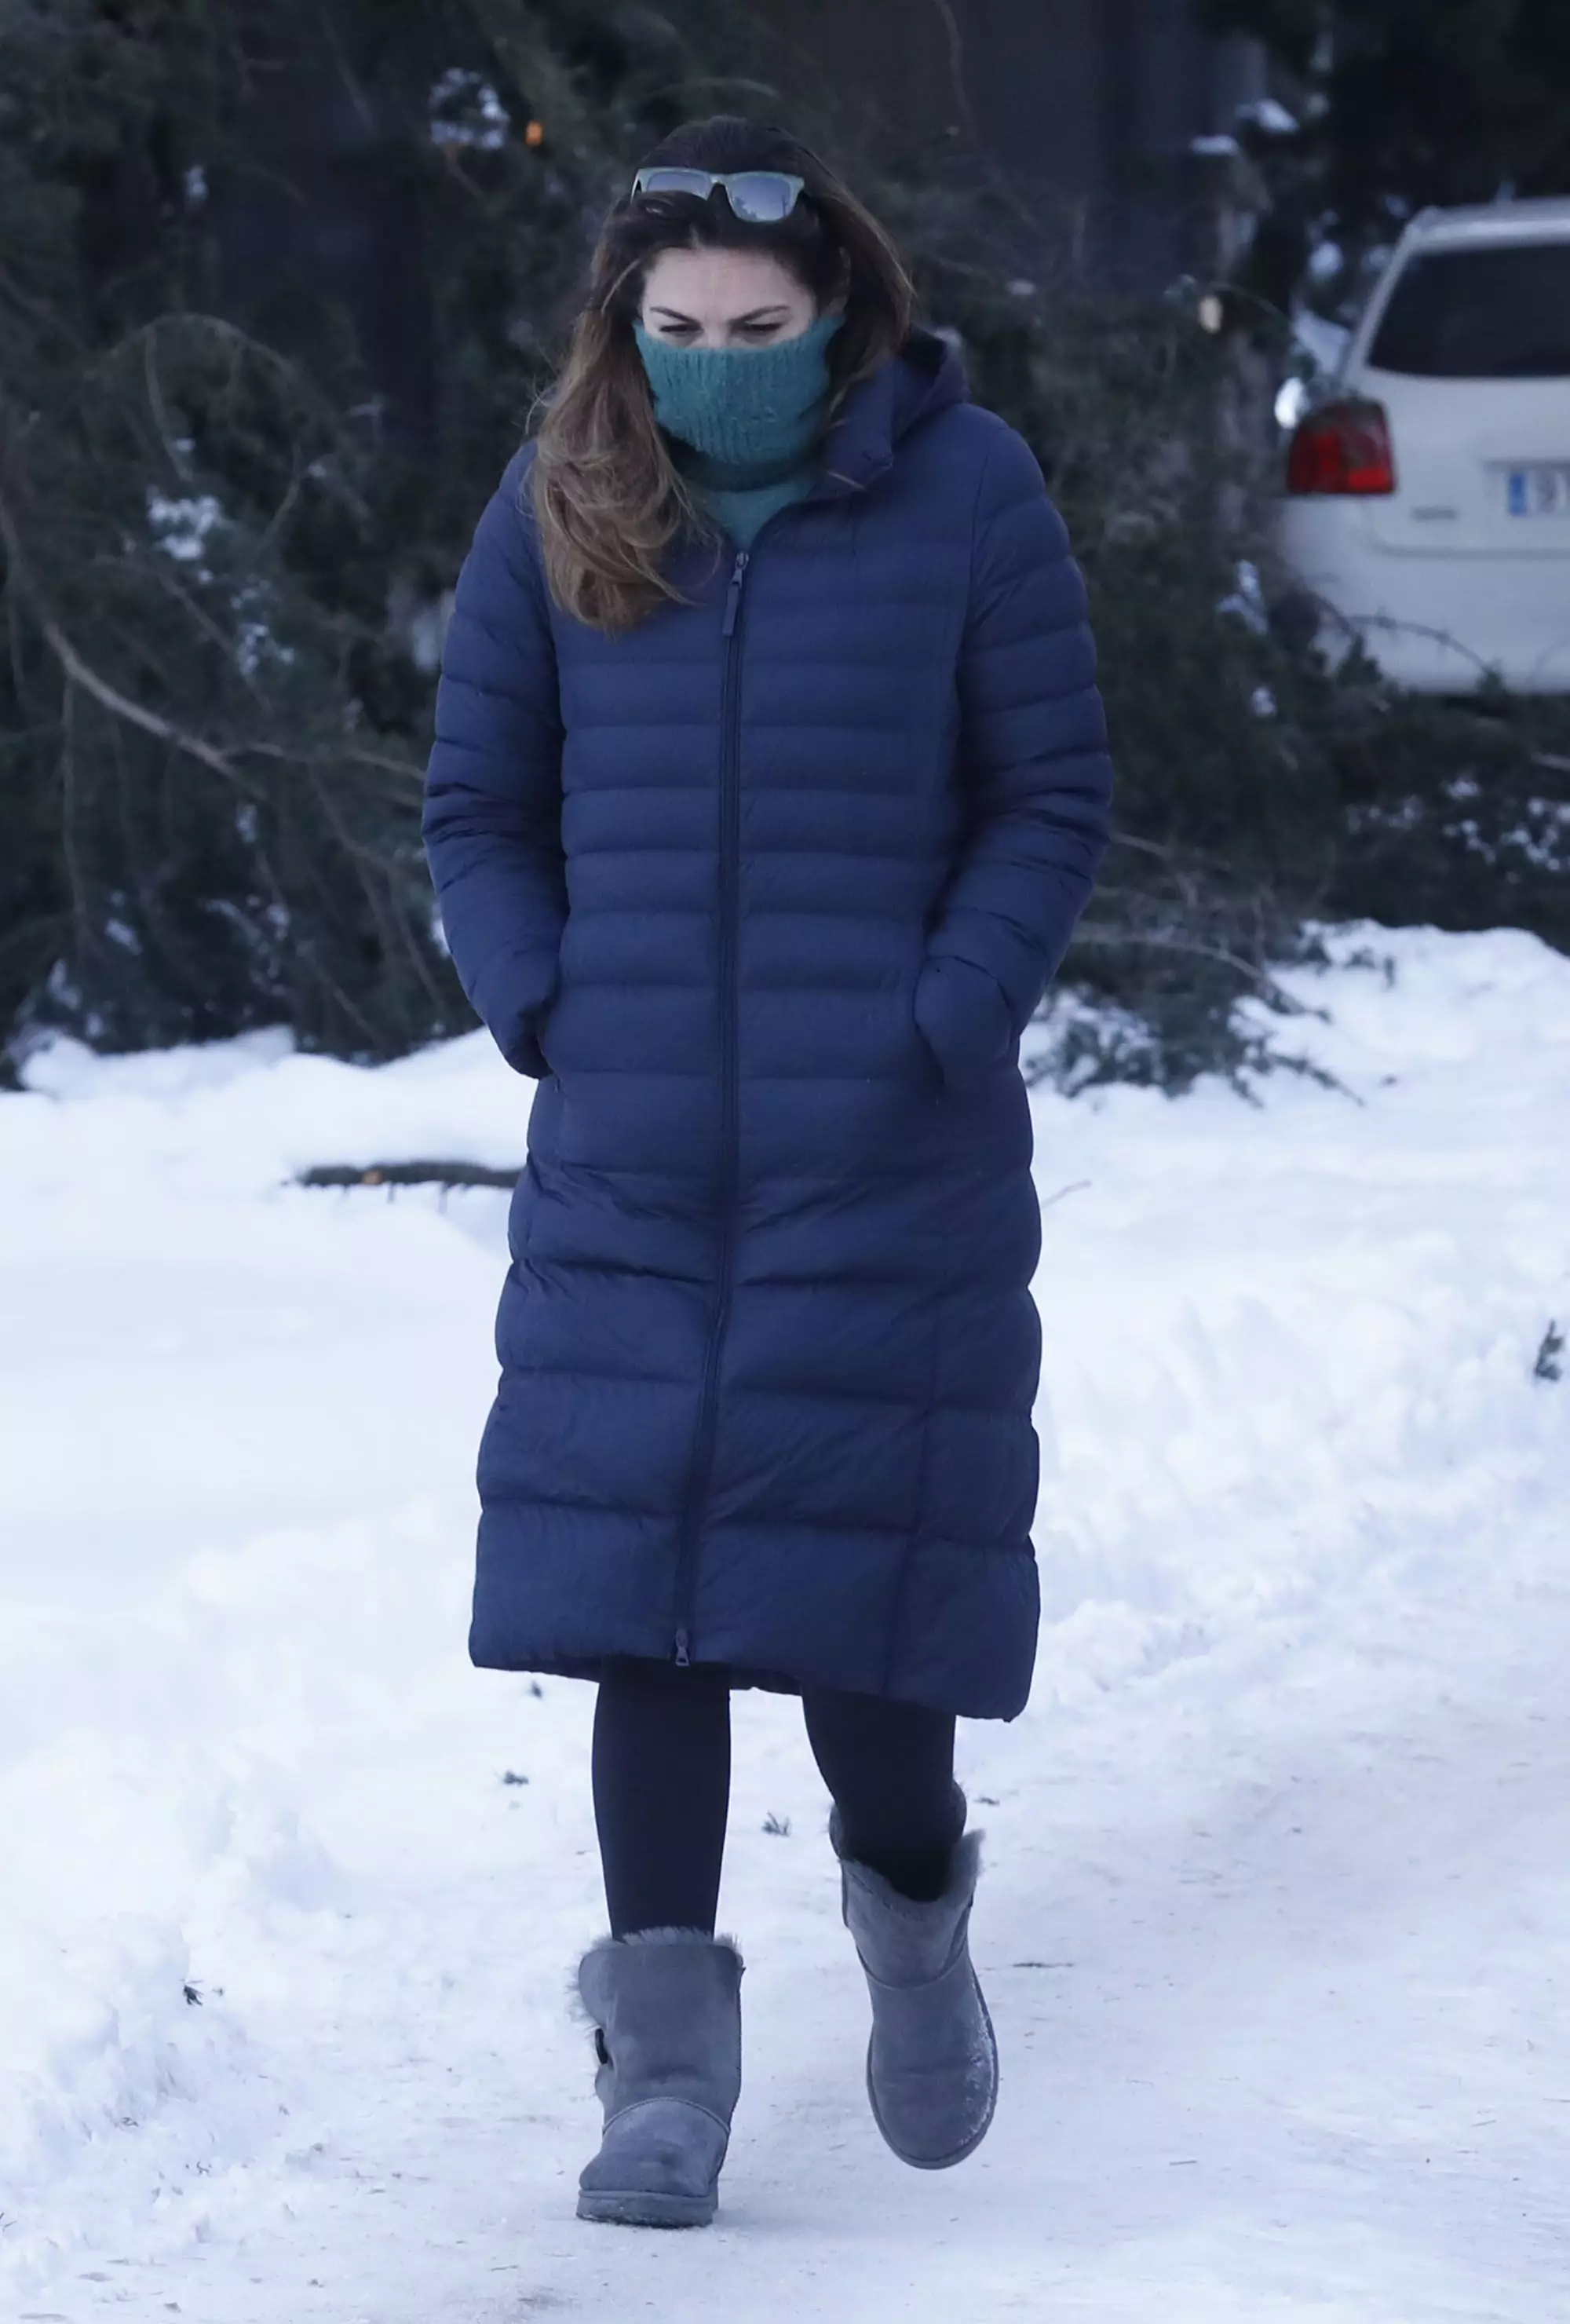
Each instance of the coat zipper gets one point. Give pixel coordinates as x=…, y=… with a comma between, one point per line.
x=702, y=1462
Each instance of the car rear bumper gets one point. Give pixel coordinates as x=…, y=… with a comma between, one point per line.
x=1436, y=623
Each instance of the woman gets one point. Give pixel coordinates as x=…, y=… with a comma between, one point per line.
x=770, y=779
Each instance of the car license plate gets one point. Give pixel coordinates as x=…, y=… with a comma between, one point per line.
x=1543, y=490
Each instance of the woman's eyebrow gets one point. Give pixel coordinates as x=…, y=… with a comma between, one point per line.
x=753, y=315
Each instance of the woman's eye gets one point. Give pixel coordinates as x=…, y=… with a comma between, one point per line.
x=759, y=330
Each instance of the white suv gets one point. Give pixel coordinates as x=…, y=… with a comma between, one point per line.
x=1428, y=501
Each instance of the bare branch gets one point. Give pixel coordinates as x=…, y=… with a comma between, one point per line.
x=445, y=1174
x=957, y=83
x=80, y=673
x=179, y=460
x=331, y=753
x=199, y=618
x=1153, y=940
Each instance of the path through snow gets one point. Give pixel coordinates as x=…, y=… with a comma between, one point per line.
x=1277, y=1923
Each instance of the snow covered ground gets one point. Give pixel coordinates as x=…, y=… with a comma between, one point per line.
x=1277, y=1923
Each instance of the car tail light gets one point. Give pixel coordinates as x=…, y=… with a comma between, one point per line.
x=1344, y=449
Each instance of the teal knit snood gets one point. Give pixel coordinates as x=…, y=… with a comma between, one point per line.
x=748, y=407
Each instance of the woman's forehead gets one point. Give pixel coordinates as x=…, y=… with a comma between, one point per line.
x=701, y=282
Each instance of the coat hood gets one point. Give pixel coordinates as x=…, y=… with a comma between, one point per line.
x=924, y=378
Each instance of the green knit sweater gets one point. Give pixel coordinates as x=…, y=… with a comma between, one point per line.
x=741, y=499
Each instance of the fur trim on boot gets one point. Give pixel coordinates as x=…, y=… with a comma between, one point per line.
x=665, y=2006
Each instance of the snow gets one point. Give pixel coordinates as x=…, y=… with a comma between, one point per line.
x=1246, y=603
x=466, y=110
x=1276, y=1926
x=184, y=527
x=1323, y=344
x=1292, y=402
x=1269, y=116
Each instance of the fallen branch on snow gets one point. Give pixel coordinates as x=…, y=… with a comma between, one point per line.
x=391, y=1175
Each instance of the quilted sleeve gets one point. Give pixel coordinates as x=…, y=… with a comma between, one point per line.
x=1033, y=768
x=493, y=794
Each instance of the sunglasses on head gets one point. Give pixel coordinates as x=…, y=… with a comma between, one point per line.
x=758, y=197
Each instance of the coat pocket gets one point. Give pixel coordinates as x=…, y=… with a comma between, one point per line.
x=963, y=1016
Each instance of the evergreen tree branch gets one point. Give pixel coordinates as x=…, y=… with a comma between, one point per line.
x=411, y=777
x=1094, y=932
x=80, y=672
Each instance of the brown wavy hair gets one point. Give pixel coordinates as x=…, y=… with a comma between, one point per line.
x=609, y=498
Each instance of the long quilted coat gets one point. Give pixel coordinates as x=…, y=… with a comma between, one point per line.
x=764, y=891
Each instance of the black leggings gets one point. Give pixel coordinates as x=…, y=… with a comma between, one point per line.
x=662, y=1789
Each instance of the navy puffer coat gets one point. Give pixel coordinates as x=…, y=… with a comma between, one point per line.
x=764, y=892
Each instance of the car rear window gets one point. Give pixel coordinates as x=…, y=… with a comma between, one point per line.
x=1499, y=313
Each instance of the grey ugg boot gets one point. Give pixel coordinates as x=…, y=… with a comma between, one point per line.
x=931, y=2064
x=667, y=2009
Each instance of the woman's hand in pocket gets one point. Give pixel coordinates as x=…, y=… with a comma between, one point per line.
x=963, y=1017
